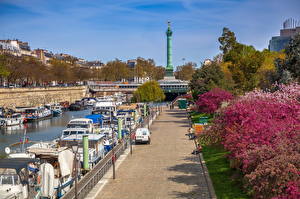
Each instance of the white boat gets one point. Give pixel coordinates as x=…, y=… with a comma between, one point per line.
x=89, y=101
x=12, y=120
x=106, y=105
x=13, y=178
x=37, y=113
x=74, y=131
x=45, y=145
x=96, y=145
x=55, y=108
x=83, y=123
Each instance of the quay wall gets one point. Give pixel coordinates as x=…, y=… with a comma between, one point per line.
x=13, y=97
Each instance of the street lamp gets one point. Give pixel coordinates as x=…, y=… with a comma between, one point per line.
x=130, y=134
x=75, y=151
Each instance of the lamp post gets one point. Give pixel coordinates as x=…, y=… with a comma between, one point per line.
x=75, y=151
x=130, y=138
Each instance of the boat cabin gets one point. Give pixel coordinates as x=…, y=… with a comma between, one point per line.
x=95, y=142
x=110, y=106
x=84, y=123
x=36, y=113
x=77, y=132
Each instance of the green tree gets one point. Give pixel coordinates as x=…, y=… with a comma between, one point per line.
x=267, y=71
x=186, y=71
x=61, y=70
x=292, y=62
x=208, y=77
x=281, y=75
x=81, y=73
x=227, y=40
x=149, y=92
x=159, y=72
x=145, y=68
x=115, y=71
x=243, y=61
x=4, y=72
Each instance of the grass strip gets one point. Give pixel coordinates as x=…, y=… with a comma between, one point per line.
x=226, y=187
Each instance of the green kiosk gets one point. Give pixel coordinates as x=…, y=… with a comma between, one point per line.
x=182, y=103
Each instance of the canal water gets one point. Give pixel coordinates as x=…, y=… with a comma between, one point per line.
x=44, y=130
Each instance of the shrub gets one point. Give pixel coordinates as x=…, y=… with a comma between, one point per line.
x=292, y=191
x=270, y=170
x=210, y=101
x=252, y=123
x=261, y=132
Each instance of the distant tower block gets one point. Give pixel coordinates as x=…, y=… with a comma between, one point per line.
x=169, y=68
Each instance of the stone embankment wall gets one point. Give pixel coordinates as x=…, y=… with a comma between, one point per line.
x=13, y=97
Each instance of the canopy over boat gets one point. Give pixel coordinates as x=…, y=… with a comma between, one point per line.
x=97, y=118
x=51, y=152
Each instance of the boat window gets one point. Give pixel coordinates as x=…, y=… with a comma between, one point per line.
x=85, y=126
x=66, y=132
x=16, y=179
x=80, y=132
x=77, y=126
x=6, y=179
x=73, y=133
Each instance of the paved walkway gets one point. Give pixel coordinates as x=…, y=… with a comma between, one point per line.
x=165, y=169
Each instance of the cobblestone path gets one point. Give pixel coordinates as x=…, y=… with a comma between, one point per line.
x=164, y=169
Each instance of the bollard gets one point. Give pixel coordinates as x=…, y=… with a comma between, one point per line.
x=145, y=110
x=119, y=128
x=85, y=152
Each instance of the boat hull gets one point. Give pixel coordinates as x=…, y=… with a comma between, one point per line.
x=35, y=119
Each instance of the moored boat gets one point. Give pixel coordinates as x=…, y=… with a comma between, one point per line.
x=96, y=149
x=55, y=108
x=37, y=113
x=83, y=123
x=14, y=178
x=55, y=170
x=11, y=119
x=76, y=106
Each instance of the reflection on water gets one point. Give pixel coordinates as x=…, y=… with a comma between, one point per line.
x=38, y=131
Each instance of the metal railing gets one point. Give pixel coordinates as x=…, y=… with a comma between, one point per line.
x=90, y=179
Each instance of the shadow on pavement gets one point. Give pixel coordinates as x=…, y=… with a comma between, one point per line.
x=186, y=125
x=166, y=121
x=193, y=158
x=192, y=175
x=177, y=113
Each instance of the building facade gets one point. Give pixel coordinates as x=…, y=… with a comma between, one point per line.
x=291, y=28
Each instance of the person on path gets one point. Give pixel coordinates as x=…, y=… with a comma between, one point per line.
x=190, y=133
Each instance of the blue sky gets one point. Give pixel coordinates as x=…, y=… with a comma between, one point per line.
x=125, y=29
